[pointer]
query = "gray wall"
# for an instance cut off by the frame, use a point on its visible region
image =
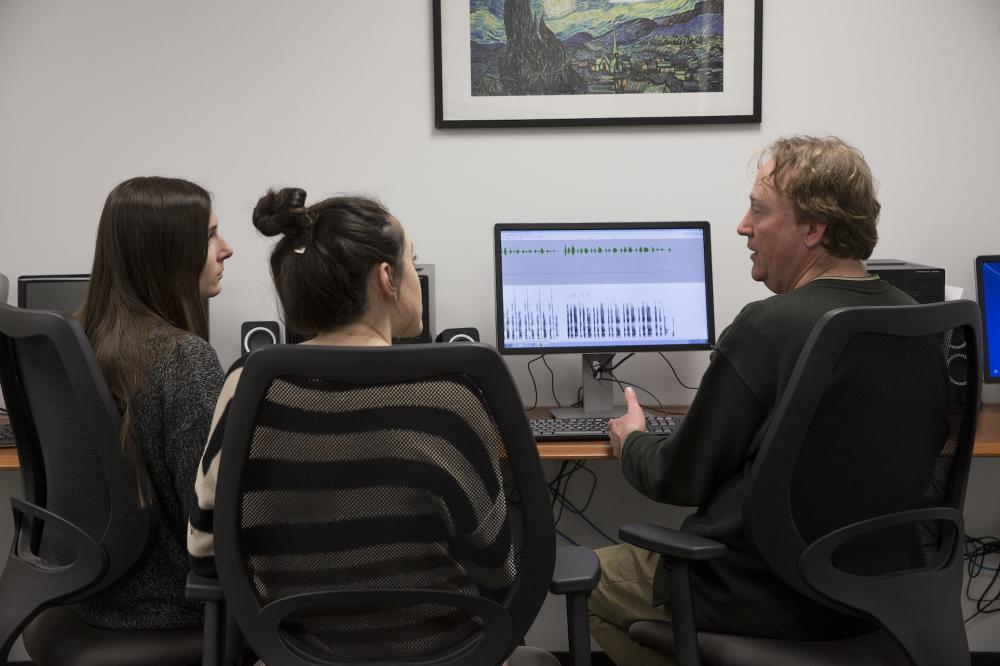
(336, 96)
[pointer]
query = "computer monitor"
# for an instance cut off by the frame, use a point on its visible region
(61, 293)
(988, 287)
(603, 288)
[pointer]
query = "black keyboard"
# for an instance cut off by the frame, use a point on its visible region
(6, 434)
(584, 428)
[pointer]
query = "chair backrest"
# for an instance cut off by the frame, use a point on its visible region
(378, 505)
(856, 494)
(4, 289)
(66, 429)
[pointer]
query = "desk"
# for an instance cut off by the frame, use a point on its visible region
(987, 439)
(8, 455)
(987, 442)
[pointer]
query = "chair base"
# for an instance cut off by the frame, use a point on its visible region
(875, 648)
(57, 637)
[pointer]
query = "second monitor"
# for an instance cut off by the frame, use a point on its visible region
(602, 288)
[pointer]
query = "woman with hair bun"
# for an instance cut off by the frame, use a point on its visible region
(344, 272)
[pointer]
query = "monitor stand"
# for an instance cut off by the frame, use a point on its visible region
(597, 392)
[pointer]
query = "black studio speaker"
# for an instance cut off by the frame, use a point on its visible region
(468, 334)
(257, 334)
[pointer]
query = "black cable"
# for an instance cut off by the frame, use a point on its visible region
(622, 383)
(559, 533)
(563, 478)
(558, 494)
(693, 388)
(975, 565)
(559, 487)
(605, 368)
(558, 477)
(584, 518)
(553, 376)
(534, 386)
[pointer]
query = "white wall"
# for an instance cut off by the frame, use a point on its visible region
(336, 95)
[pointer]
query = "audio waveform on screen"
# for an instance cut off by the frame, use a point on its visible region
(572, 250)
(532, 250)
(606, 321)
(531, 320)
(546, 316)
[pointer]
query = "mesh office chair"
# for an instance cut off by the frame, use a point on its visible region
(81, 526)
(865, 525)
(385, 506)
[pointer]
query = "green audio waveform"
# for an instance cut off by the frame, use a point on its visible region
(628, 249)
(541, 250)
(572, 250)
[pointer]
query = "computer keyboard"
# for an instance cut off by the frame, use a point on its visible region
(6, 434)
(587, 428)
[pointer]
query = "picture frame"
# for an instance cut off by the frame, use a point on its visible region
(577, 63)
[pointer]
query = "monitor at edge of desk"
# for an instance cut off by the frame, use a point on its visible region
(988, 290)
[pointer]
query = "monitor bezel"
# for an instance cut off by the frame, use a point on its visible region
(980, 260)
(24, 280)
(500, 227)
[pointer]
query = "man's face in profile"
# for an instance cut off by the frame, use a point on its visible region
(774, 237)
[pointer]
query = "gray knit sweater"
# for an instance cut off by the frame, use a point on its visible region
(172, 419)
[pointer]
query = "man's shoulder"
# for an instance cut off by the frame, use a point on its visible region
(790, 317)
(761, 315)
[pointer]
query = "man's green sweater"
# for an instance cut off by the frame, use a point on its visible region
(706, 462)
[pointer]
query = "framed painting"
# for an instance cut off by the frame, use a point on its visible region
(560, 63)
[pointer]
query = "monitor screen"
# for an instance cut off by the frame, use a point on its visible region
(603, 287)
(988, 284)
(61, 293)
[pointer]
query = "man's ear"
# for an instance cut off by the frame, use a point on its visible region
(814, 233)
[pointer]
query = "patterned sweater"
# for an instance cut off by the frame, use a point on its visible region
(172, 417)
(414, 504)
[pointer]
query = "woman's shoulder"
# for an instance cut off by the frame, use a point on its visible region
(194, 346)
(182, 357)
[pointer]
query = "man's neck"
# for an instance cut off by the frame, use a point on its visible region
(832, 267)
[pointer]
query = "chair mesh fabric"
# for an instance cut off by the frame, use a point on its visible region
(76, 487)
(399, 486)
(883, 440)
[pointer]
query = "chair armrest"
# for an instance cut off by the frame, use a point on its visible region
(577, 569)
(671, 543)
(203, 588)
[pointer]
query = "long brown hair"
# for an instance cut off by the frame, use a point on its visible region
(152, 242)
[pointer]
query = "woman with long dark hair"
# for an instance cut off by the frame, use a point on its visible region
(158, 257)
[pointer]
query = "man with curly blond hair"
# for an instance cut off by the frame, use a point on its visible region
(810, 224)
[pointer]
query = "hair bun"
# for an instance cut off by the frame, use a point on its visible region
(280, 212)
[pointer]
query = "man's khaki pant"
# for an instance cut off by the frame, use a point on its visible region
(622, 597)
